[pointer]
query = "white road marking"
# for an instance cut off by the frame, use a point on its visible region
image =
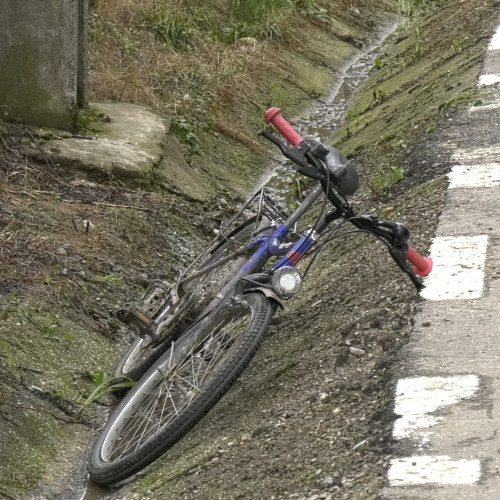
(458, 274)
(473, 109)
(478, 155)
(485, 80)
(418, 397)
(484, 175)
(419, 470)
(495, 41)
(458, 271)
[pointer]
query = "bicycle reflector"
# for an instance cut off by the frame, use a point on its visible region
(286, 281)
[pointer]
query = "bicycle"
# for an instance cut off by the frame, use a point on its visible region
(198, 335)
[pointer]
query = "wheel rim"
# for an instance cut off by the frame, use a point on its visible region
(139, 352)
(169, 390)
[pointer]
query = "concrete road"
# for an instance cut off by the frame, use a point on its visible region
(447, 397)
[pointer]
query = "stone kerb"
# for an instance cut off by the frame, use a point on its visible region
(43, 68)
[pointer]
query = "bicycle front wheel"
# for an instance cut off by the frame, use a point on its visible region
(179, 389)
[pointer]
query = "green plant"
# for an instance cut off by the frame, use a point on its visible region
(296, 185)
(47, 324)
(379, 96)
(261, 19)
(110, 279)
(385, 177)
(463, 99)
(457, 46)
(10, 358)
(105, 385)
(173, 27)
(378, 62)
(90, 120)
(184, 130)
(349, 116)
(312, 9)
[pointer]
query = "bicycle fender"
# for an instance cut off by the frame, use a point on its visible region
(270, 294)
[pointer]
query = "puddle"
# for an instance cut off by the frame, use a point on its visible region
(96, 492)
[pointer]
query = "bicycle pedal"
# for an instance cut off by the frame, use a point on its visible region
(137, 321)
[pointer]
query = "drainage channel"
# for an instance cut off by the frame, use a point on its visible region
(326, 115)
(319, 122)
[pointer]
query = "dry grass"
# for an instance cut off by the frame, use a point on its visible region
(187, 58)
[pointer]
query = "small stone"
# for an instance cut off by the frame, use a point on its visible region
(358, 353)
(260, 429)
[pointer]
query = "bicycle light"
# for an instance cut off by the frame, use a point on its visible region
(286, 281)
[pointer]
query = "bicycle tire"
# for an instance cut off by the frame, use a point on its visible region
(174, 395)
(140, 355)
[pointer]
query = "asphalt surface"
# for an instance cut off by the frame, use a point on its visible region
(447, 401)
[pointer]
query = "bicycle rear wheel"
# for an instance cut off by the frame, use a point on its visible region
(142, 353)
(179, 389)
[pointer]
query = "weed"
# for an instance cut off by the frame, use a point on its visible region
(90, 120)
(171, 27)
(261, 19)
(432, 186)
(278, 93)
(457, 46)
(110, 279)
(463, 99)
(386, 177)
(378, 62)
(312, 9)
(251, 11)
(105, 385)
(10, 358)
(379, 96)
(47, 324)
(296, 188)
(284, 369)
(350, 115)
(412, 7)
(184, 130)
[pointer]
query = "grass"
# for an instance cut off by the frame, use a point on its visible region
(104, 385)
(197, 60)
(385, 178)
(412, 7)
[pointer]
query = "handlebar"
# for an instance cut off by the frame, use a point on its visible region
(274, 116)
(423, 265)
(391, 232)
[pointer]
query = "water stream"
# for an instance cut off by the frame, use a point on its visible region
(320, 121)
(325, 115)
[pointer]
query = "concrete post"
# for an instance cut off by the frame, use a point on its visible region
(43, 61)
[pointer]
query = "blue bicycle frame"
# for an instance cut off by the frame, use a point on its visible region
(271, 245)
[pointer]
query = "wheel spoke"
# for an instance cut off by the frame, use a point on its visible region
(169, 392)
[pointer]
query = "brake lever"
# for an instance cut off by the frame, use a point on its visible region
(399, 256)
(295, 155)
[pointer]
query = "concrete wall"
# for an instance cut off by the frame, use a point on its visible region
(43, 61)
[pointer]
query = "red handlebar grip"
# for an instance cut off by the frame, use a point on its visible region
(423, 265)
(274, 116)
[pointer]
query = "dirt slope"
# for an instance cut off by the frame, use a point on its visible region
(307, 417)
